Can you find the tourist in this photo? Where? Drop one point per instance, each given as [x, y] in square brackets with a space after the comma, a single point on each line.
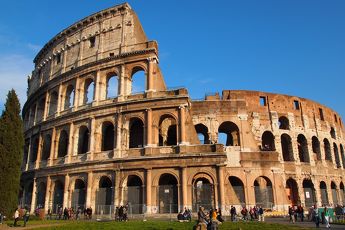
[180, 216]
[219, 216]
[187, 215]
[251, 213]
[301, 213]
[202, 218]
[60, 211]
[26, 216]
[16, 217]
[233, 213]
[49, 215]
[316, 216]
[261, 214]
[327, 216]
[244, 213]
[65, 214]
[291, 214]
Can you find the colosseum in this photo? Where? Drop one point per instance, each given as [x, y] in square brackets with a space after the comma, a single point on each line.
[93, 138]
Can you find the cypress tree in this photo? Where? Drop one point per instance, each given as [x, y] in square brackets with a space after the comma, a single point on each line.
[11, 154]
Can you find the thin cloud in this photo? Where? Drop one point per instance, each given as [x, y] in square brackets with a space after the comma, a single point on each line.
[34, 47]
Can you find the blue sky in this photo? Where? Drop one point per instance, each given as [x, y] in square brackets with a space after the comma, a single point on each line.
[283, 46]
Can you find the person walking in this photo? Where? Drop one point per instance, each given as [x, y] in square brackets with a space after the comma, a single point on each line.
[327, 215]
[26, 216]
[316, 216]
[16, 217]
[261, 214]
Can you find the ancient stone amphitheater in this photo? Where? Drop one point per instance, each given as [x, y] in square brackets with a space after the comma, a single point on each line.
[103, 130]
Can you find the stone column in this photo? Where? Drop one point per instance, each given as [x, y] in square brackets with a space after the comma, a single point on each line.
[92, 137]
[117, 188]
[318, 193]
[60, 98]
[301, 191]
[66, 191]
[221, 203]
[33, 197]
[47, 200]
[118, 135]
[35, 115]
[46, 105]
[121, 83]
[39, 151]
[29, 155]
[184, 189]
[70, 143]
[76, 94]
[148, 127]
[182, 126]
[148, 190]
[150, 74]
[89, 189]
[97, 88]
[52, 147]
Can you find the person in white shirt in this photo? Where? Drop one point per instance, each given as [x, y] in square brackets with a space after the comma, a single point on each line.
[16, 217]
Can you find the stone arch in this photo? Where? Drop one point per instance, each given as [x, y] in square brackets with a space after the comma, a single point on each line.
[336, 155]
[47, 141]
[155, 181]
[316, 148]
[267, 140]
[53, 102]
[40, 109]
[58, 195]
[108, 134]
[28, 188]
[83, 139]
[89, 90]
[342, 191]
[34, 149]
[168, 193]
[309, 192]
[302, 145]
[332, 133]
[63, 144]
[136, 133]
[342, 154]
[203, 191]
[167, 131]
[69, 97]
[292, 191]
[324, 194]
[236, 191]
[79, 194]
[284, 123]
[287, 149]
[139, 79]
[263, 192]
[202, 132]
[112, 85]
[327, 149]
[231, 134]
[334, 193]
[104, 195]
[134, 193]
[41, 195]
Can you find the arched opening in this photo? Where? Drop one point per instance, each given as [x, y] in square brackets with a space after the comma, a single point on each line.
[284, 123]
[336, 155]
[292, 192]
[167, 131]
[89, 89]
[107, 136]
[34, 149]
[58, 195]
[324, 195]
[41, 195]
[47, 141]
[231, 134]
[167, 194]
[136, 133]
[79, 194]
[104, 196]
[287, 147]
[112, 86]
[28, 194]
[202, 132]
[203, 193]
[333, 134]
[303, 148]
[40, 110]
[138, 80]
[32, 114]
[309, 192]
[342, 191]
[316, 148]
[69, 97]
[263, 192]
[135, 194]
[327, 148]
[267, 141]
[342, 154]
[53, 103]
[236, 191]
[334, 193]
[83, 140]
[63, 144]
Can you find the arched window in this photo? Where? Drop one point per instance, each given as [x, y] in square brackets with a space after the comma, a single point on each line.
[53, 103]
[107, 136]
[308, 187]
[324, 195]
[167, 193]
[287, 149]
[263, 192]
[79, 194]
[89, 88]
[112, 86]
[46, 147]
[342, 155]
[316, 147]
[136, 133]
[283, 123]
[138, 80]
[334, 193]
[83, 141]
[203, 193]
[293, 195]
[34, 149]
[336, 155]
[63, 144]
[268, 141]
[302, 148]
[135, 194]
[202, 132]
[231, 134]
[104, 196]
[236, 191]
[40, 110]
[41, 195]
[69, 97]
[58, 195]
[167, 131]
[332, 132]
[327, 148]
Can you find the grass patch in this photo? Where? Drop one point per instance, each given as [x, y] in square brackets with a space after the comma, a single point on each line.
[153, 225]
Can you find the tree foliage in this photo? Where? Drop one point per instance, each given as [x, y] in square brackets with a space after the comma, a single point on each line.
[11, 153]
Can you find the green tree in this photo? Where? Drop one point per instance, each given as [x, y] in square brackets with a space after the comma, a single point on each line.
[11, 153]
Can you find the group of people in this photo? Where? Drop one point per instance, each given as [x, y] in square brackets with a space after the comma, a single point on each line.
[209, 220]
[25, 215]
[254, 213]
[70, 213]
[121, 213]
[186, 215]
[295, 213]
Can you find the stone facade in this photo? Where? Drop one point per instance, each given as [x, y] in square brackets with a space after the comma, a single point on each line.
[93, 140]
